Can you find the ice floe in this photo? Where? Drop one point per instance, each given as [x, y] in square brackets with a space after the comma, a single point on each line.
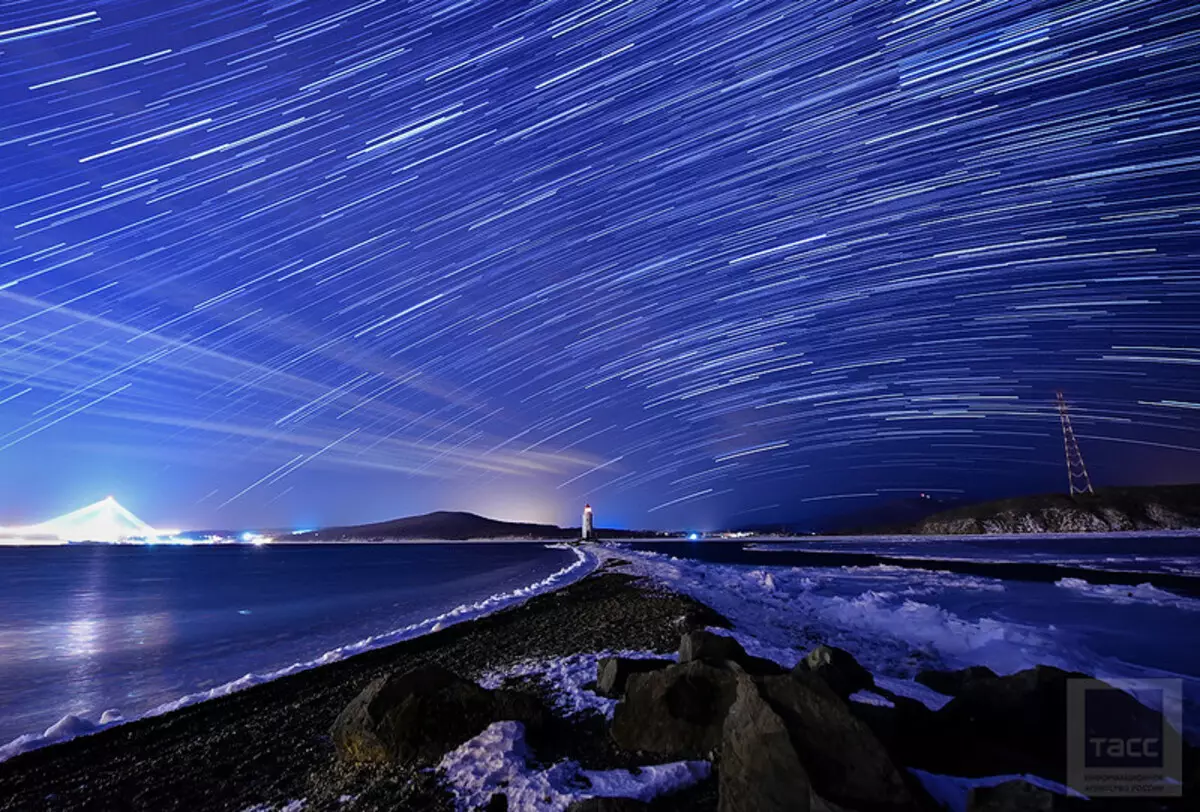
[1129, 594]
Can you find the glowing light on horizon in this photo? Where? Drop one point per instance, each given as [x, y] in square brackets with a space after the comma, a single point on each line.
[106, 520]
[103, 521]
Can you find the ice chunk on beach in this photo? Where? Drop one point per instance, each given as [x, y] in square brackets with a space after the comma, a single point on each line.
[65, 728]
[496, 761]
[69, 727]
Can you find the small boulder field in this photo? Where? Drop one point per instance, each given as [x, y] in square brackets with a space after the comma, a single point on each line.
[776, 739]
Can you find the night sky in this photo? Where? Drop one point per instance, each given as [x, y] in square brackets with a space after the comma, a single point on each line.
[295, 262]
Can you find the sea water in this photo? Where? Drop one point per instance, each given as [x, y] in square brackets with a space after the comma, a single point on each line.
[86, 629]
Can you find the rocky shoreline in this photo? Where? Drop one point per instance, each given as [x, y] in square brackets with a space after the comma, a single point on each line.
[732, 731]
[1108, 510]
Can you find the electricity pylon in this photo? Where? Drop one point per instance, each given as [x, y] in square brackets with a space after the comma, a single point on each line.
[1077, 475]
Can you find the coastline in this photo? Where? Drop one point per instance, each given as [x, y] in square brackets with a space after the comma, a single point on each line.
[269, 743]
[71, 727]
[272, 747]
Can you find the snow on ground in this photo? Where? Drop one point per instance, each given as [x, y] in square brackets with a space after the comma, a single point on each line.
[1140, 593]
[910, 689]
[871, 698]
[566, 677]
[873, 612]
[71, 726]
[951, 791]
[291, 806]
[897, 621]
[497, 760]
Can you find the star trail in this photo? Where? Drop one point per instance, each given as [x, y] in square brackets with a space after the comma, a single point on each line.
[319, 261]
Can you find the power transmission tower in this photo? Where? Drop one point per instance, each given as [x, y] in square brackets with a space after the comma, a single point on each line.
[1077, 475]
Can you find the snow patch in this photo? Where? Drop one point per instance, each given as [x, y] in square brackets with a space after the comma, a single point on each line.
[1123, 594]
[780, 613]
[566, 678]
[497, 761]
[291, 806]
[871, 698]
[910, 689]
[930, 581]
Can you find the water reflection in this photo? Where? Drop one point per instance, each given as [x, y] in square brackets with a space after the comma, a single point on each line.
[86, 629]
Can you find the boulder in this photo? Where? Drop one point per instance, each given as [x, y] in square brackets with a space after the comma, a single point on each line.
[676, 711]
[838, 668]
[1014, 724]
[612, 673]
[1011, 724]
[846, 764]
[699, 618]
[717, 649]
[705, 645]
[952, 683]
[1011, 796]
[901, 728]
[760, 770]
[416, 717]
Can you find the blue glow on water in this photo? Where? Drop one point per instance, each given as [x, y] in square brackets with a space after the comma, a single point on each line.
[86, 628]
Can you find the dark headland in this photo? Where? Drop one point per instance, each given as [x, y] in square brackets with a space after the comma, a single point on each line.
[1155, 507]
[447, 525]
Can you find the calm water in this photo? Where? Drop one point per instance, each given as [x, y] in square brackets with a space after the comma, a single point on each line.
[87, 628]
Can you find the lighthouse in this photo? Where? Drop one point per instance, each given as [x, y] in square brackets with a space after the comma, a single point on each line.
[589, 530]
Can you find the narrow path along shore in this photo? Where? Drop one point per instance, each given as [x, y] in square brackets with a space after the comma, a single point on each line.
[270, 743]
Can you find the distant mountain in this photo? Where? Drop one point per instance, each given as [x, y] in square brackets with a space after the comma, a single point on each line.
[450, 526]
[1156, 507]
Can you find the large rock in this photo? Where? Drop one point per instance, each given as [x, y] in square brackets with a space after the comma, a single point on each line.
[952, 683]
[838, 669]
[901, 728]
[677, 711]
[717, 649]
[612, 673]
[416, 717]
[1014, 724]
[700, 644]
[699, 618]
[846, 763]
[760, 770]
[1011, 724]
[1011, 796]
